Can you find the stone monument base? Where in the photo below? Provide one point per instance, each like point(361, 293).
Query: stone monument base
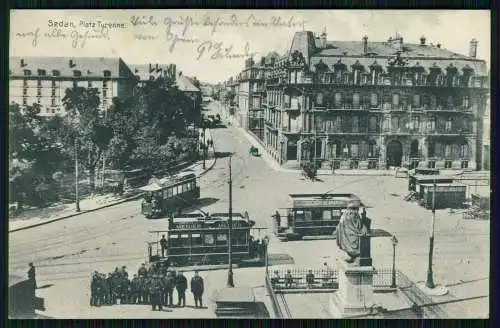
point(355, 294)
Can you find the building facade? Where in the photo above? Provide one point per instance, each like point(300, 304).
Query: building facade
point(44, 80)
point(146, 73)
point(372, 105)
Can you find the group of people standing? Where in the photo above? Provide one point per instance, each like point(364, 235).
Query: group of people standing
point(154, 286)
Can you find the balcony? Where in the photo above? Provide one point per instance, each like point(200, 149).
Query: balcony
point(289, 107)
point(450, 132)
point(288, 130)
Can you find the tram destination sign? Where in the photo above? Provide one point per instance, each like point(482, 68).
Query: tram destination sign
point(319, 203)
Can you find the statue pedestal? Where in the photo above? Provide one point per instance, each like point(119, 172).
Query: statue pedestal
point(355, 294)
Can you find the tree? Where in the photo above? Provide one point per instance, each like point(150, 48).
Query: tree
point(92, 132)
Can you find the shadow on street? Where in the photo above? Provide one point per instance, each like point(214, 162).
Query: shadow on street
point(223, 154)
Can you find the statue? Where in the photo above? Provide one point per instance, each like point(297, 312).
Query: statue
point(349, 230)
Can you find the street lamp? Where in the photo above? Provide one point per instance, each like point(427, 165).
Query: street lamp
point(430, 280)
point(394, 242)
point(77, 200)
point(282, 141)
point(230, 281)
point(203, 144)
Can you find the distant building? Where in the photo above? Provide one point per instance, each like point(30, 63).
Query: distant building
point(150, 72)
point(44, 80)
point(369, 105)
point(251, 94)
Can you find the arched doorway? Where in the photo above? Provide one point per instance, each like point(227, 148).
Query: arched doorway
point(291, 150)
point(394, 153)
point(414, 149)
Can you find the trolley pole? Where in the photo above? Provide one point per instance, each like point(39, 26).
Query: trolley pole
point(230, 282)
point(430, 280)
point(77, 200)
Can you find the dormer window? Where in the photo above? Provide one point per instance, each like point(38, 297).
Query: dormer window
point(56, 73)
point(27, 72)
point(41, 72)
point(77, 73)
point(107, 73)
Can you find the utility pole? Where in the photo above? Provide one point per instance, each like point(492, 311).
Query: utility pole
point(230, 282)
point(77, 200)
point(430, 280)
point(203, 148)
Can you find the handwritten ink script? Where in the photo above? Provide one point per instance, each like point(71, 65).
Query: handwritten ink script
point(180, 30)
point(172, 31)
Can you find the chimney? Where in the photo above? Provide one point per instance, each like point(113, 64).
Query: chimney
point(156, 66)
point(422, 40)
point(23, 63)
point(263, 61)
point(151, 69)
point(473, 48)
point(71, 63)
point(323, 39)
point(365, 45)
point(438, 45)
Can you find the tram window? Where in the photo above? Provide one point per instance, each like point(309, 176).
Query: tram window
point(185, 187)
point(327, 215)
point(307, 215)
point(170, 192)
point(209, 239)
point(317, 214)
point(336, 213)
point(299, 216)
point(196, 239)
point(221, 238)
point(173, 241)
point(184, 240)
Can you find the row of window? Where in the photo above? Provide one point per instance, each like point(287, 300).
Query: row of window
point(356, 100)
point(207, 239)
point(313, 215)
point(370, 148)
point(76, 73)
point(179, 189)
point(344, 123)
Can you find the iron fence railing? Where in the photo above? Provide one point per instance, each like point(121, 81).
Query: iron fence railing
point(297, 278)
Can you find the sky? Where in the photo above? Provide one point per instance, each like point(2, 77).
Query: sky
point(212, 44)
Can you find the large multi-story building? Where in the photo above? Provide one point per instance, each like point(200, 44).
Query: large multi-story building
point(251, 93)
point(44, 80)
point(363, 104)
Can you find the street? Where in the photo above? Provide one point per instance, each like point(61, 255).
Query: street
point(68, 251)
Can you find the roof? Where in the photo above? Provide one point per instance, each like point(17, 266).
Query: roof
point(142, 71)
point(185, 84)
point(349, 52)
point(88, 66)
point(15, 279)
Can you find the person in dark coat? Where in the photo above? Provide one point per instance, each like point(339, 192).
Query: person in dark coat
point(94, 286)
point(134, 290)
point(142, 272)
point(155, 293)
point(181, 286)
point(169, 289)
point(32, 274)
point(163, 244)
point(197, 289)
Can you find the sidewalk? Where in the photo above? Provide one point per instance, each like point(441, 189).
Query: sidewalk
point(39, 216)
point(275, 166)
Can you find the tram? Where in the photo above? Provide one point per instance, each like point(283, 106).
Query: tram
point(169, 195)
point(311, 215)
point(195, 239)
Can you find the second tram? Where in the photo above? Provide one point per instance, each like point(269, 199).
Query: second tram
point(169, 195)
point(311, 215)
point(193, 239)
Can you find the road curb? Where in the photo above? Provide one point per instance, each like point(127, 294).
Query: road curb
point(208, 168)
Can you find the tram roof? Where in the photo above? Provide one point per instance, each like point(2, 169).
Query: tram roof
point(323, 200)
point(433, 176)
point(156, 184)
